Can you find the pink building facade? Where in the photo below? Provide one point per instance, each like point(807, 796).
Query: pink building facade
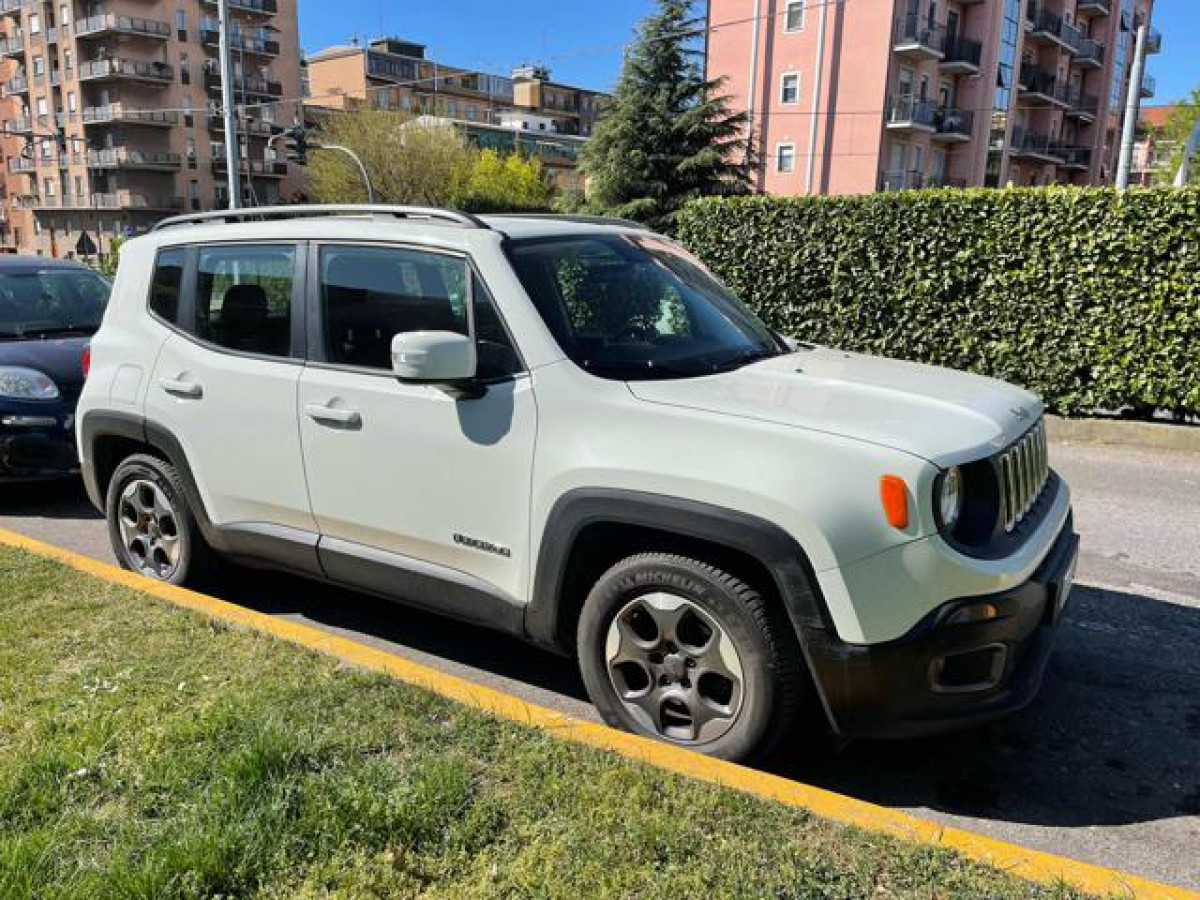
point(854, 96)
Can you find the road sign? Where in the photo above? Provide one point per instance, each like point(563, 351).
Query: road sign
point(85, 246)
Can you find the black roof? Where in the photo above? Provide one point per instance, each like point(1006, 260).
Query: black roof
point(14, 263)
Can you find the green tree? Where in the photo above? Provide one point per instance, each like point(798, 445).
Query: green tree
point(408, 162)
point(1174, 136)
point(511, 182)
point(667, 135)
point(106, 263)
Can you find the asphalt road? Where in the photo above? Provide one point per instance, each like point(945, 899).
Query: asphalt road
point(1103, 767)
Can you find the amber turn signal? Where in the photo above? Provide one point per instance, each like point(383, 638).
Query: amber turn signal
point(893, 492)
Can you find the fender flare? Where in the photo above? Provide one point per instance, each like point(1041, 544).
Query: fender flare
point(789, 567)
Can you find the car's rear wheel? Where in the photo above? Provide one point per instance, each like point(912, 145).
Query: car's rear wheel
point(676, 649)
point(150, 525)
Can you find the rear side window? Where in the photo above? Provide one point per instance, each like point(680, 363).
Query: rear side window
point(167, 284)
point(244, 298)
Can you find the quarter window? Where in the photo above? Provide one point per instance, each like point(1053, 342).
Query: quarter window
point(244, 298)
point(371, 294)
point(166, 285)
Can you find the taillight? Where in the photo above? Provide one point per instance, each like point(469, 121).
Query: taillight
point(87, 360)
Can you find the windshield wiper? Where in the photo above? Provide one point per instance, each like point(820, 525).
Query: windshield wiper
point(745, 358)
point(58, 330)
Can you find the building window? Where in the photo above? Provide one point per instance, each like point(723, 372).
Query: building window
point(79, 186)
point(68, 60)
point(785, 158)
point(181, 23)
point(72, 102)
point(789, 88)
point(39, 66)
point(48, 187)
point(42, 108)
point(185, 71)
point(793, 16)
point(35, 23)
point(64, 14)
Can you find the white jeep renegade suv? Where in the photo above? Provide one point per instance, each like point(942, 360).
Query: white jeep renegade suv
point(567, 429)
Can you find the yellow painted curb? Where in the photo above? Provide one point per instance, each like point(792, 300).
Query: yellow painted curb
point(1034, 865)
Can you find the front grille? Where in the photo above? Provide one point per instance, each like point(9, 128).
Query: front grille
point(1024, 469)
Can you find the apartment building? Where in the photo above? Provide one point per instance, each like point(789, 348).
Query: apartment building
point(392, 73)
point(113, 113)
point(854, 96)
point(1152, 154)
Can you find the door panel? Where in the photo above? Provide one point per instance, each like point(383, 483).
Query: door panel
point(420, 473)
point(411, 469)
point(225, 381)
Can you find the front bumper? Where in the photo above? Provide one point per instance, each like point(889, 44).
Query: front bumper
point(942, 675)
point(37, 441)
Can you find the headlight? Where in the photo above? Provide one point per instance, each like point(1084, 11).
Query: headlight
point(950, 497)
point(18, 383)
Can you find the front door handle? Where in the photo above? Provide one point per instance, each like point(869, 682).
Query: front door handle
point(187, 389)
point(331, 415)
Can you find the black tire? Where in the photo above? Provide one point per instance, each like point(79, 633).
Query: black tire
point(195, 561)
point(772, 668)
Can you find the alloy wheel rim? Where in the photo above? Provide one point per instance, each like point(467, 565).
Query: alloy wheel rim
point(149, 527)
point(674, 668)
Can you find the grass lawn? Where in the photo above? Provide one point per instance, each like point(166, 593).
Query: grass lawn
point(146, 752)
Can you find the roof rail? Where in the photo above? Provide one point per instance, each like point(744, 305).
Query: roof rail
point(302, 211)
point(573, 217)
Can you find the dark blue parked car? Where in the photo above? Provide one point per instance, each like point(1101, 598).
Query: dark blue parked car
point(49, 310)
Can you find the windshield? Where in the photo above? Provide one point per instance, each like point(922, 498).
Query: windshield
point(54, 302)
point(638, 307)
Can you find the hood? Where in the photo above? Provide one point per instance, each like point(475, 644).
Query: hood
point(60, 358)
point(941, 415)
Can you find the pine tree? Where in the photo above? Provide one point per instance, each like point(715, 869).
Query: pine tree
point(667, 135)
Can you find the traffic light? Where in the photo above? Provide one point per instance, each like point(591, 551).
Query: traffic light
point(60, 137)
point(297, 145)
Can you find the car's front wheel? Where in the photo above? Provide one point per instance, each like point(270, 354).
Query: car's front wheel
point(153, 532)
point(676, 649)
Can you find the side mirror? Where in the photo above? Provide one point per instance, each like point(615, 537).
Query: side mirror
point(433, 357)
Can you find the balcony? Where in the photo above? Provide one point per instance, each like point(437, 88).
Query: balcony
point(125, 158)
point(18, 84)
point(1081, 106)
point(20, 125)
point(953, 126)
point(112, 24)
point(115, 114)
point(257, 167)
point(1039, 87)
point(1090, 55)
point(962, 56)
point(252, 127)
point(121, 200)
point(943, 181)
point(13, 7)
point(1095, 7)
point(1149, 86)
point(13, 45)
point(911, 114)
point(1034, 146)
point(919, 38)
point(20, 165)
point(242, 43)
point(143, 71)
point(1049, 27)
point(1076, 158)
point(901, 181)
point(253, 7)
point(63, 119)
point(255, 87)
point(1154, 41)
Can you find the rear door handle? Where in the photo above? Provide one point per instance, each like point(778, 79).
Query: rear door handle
point(329, 415)
point(187, 389)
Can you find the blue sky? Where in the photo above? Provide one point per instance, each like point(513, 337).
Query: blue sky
point(581, 40)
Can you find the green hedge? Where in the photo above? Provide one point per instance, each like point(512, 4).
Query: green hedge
point(1089, 297)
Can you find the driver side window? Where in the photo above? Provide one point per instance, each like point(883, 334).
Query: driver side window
point(371, 294)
